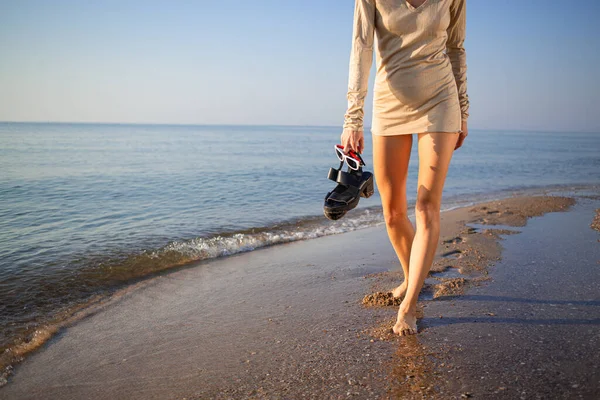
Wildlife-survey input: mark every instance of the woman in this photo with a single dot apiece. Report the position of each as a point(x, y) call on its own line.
point(420, 88)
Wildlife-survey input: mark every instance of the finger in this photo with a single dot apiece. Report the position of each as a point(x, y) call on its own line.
point(361, 144)
point(352, 144)
point(346, 144)
point(459, 142)
point(345, 139)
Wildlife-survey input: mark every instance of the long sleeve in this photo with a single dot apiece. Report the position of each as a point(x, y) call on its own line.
point(361, 59)
point(456, 52)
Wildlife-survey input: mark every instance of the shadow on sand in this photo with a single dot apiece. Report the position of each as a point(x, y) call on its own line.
point(493, 319)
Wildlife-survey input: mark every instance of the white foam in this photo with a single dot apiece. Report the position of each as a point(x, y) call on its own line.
point(224, 245)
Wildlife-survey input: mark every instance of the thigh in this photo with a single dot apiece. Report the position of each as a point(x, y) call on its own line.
point(391, 155)
point(435, 153)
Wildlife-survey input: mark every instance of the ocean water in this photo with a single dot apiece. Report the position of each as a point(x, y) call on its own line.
point(88, 208)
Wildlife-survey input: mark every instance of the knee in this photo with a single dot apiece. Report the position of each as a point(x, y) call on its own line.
point(427, 213)
point(395, 217)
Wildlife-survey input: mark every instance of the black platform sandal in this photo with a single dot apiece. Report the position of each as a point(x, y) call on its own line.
point(352, 185)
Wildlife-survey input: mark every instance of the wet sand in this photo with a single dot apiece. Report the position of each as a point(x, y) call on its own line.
point(529, 330)
point(533, 330)
point(288, 321)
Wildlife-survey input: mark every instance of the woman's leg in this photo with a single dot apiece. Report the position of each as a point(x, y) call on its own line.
point(435, 152)
point(390, 163)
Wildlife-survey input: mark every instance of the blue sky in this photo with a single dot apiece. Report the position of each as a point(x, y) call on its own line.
point(533, 65)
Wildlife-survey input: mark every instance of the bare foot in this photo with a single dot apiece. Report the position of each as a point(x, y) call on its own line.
point(406, 324)
point(400, 291)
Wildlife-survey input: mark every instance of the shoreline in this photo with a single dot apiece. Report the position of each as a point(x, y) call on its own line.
point(36, 333)
point(32, 332)
point(351, 277)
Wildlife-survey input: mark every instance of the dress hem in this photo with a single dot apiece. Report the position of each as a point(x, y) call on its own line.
point(374, 133)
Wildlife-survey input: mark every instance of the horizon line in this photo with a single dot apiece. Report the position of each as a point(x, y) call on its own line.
point(257, 125)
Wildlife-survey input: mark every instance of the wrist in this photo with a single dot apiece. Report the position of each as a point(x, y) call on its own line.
point(353, 127)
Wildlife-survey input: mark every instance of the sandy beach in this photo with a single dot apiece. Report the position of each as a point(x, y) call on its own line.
point(511, 310)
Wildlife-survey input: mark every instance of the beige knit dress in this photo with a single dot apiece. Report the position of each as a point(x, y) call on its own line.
point(421, 83)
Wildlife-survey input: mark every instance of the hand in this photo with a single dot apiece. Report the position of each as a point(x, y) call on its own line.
point(464, 132)
point(353, 140)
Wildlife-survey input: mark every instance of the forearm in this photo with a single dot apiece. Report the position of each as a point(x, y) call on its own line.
point(458, 59)
point(456, 52)
point(361, 59)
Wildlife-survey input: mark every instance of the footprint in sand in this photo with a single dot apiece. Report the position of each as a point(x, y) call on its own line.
point(470, 231)
point(452, 253)
point(454, 240)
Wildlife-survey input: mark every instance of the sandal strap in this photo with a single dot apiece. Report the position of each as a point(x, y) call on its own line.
point(348, 179)
point(344, 178)
point(345, 196)
point(333, 174)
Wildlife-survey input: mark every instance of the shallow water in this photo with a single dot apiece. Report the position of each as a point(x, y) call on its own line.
point(85, 208)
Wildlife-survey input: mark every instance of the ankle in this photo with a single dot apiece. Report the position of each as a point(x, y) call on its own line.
point(407, 308)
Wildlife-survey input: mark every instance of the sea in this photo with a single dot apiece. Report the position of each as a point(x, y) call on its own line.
point(87, 209)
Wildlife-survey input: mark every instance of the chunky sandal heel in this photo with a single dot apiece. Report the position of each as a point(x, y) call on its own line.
point(369, 188)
